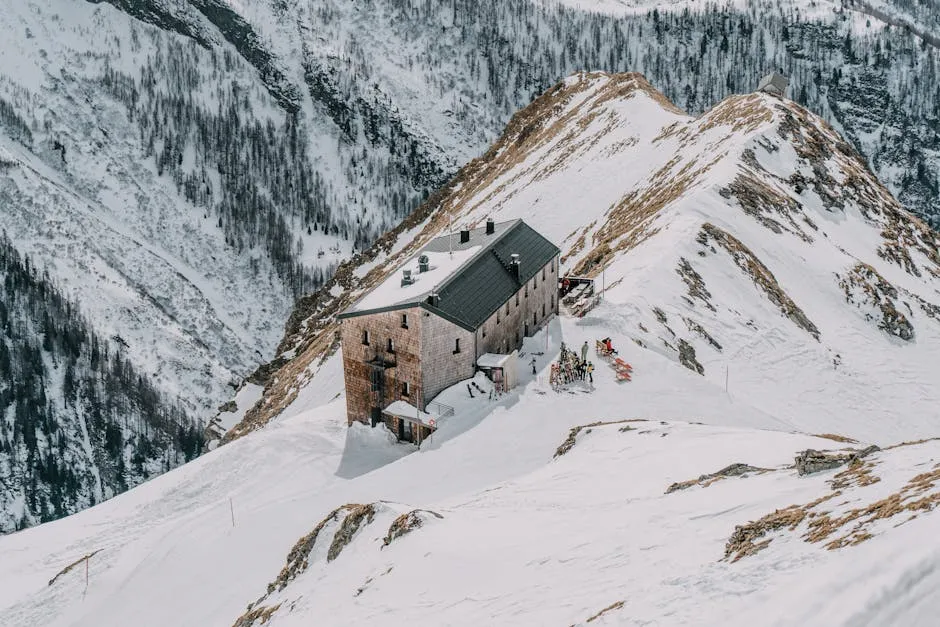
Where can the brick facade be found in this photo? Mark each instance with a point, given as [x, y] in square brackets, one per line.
[424, 355]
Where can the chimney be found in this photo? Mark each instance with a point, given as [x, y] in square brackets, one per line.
[424, 263]
[490, 226]
[514, 266]
[433, 299]
[406, 278]
[464, 236]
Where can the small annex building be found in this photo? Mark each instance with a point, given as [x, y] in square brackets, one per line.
[775, 84]
[464, 295]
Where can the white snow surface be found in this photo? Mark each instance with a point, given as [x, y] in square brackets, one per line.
[509, 532]
[442, 265]
[523, 538]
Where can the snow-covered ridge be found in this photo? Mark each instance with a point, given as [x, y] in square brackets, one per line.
[704, 229]
[773, 456]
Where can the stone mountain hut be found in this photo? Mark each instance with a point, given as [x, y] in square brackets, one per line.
[465, 295]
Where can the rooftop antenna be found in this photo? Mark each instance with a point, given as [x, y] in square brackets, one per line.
[450, 236]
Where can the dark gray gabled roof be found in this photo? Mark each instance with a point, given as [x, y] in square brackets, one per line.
[481, 287]
[475, 289]
[774, 82]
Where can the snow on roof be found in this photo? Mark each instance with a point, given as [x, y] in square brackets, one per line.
[391, 292]
[492, 360]
[446, 254]
[403, 409]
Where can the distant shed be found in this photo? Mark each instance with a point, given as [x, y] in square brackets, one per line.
[775, 84]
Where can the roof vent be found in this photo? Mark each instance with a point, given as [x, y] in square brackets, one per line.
[424, 263]
[433, 299]
[514, 266]
[464, 236]
[406, 278]
[490, 226]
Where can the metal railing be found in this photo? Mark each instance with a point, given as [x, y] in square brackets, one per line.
[440, 410]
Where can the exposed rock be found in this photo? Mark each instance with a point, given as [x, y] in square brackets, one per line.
[700, 330]
[229, 407]
[687, 357]
[256, 616]
[297, 557]
[351, 524]
[748, 262]
[864, 286]
[694, 282]
[734, 470]
[572, 438]
[811, 461]
[406, 523]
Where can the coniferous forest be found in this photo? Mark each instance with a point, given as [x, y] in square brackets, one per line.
[78, 423]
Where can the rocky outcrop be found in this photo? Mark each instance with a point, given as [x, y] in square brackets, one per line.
[733, 470]
[811, 461]
[687, 357]
[572, 438]
[406, 523]
[763, 278]
[356, 516]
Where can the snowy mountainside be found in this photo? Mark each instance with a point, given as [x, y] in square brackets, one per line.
[173, 277]
[544, 507]
[78, 422]
[706, 232]
[411, 89]
[751, 238]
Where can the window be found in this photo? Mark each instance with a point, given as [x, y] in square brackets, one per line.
[405, 389]
[497, 316]
[517, 299]
[553, 266]
[526, 288]
[390, 347]
[543, 310]
[457, 346]
[553, 302]
[543, 273]
[404, 321]
[535, 281]
[365, 338]
[507, 305]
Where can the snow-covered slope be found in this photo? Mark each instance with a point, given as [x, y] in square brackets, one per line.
[707, 232]
[772, 298]
[510, 519]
